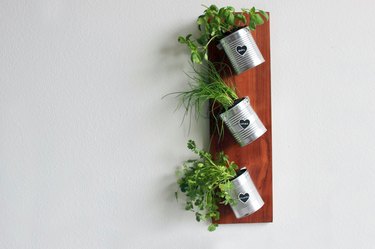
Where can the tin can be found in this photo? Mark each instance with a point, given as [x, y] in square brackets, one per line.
[241, 50]
[247, 197]
[243, 122]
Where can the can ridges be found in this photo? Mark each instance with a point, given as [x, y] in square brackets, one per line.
[242, 62]
[243, 112]
[244, 184]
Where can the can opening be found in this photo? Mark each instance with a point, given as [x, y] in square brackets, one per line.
[236, 102]
[241, 171]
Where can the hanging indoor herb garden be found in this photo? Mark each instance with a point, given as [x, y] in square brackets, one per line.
[231, 30]
[207, 183]
[237, 113]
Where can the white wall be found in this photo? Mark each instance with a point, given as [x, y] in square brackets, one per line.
[88, 149]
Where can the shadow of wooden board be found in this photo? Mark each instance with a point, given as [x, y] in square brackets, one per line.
[257, 156]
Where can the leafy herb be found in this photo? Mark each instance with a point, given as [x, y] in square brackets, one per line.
[215, 23]
[206, 183]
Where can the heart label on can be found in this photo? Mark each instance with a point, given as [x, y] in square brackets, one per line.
[243, 197]
[241, 49]
[244, 123]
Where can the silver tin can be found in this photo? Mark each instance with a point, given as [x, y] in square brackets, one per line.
[245, 193]
[242, 50]
[243, 122]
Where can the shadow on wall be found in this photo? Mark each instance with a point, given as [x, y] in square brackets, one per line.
[168, 70]
[174, 55]
[164, 58]
[171, 207]
[174, 59]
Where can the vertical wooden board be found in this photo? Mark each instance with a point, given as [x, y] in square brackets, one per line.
[257, 156]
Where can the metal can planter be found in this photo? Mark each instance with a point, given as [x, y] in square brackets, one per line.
[243, 122]
[248, 200]
[242, 50]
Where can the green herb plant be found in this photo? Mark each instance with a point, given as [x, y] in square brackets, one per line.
[206, 183]
[216, 23]
[207, 85]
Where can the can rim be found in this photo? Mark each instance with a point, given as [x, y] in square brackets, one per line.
[235, 35]
[240, 172]
[235, 107]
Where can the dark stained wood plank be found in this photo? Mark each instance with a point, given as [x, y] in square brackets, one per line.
[257, 156]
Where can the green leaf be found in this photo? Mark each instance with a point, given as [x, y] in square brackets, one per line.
[191, 182]
[202, 40]
[264, 14]
[221, 11]
[217, 215]
[192, 46]
[212, 227]
[198, 202]
[222, 187]
[214, 30]
[241, 18]
[217, 20]
[183, 187]
[191, 144]
[181, 40]
[230, 19]
[226, 13]
[252, 24]
[252, 11]
[258, 19]
[234, 166]
[198, 217]
[230, 8]
[189, 206]
[200, 20]
[214, 8]
[195, 58]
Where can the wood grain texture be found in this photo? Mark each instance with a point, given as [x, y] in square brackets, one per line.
[257, 156]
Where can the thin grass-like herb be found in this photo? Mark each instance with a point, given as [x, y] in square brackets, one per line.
[207, 85]
[207, 88]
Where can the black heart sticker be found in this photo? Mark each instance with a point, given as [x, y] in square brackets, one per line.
[241, 50]
[244, 123]
[243, 197]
